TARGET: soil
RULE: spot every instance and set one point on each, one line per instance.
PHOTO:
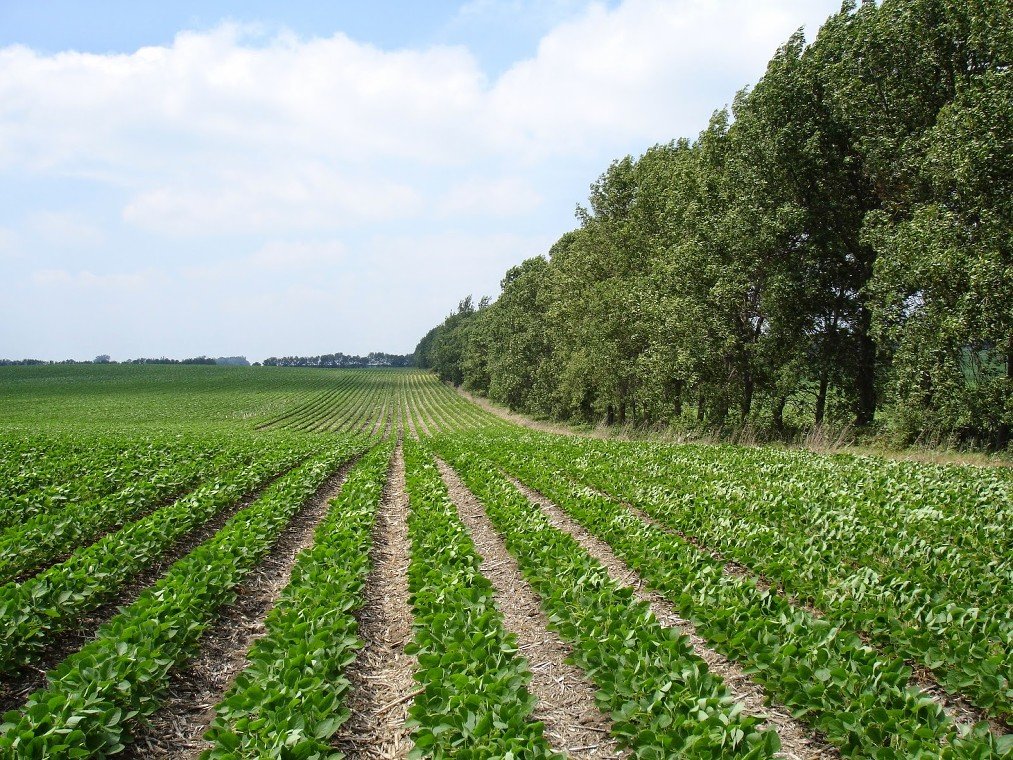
(566, 705)
(176, 729)
(381, 676)
(797, 739)
(16, 686)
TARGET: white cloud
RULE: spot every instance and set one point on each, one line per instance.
(86, 281)
(338, 196)
(221, 131)
(276, 258)
(271, 198)
(279, 254)
(645, 69)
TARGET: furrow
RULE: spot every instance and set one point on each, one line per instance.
(566, 703)
(797, 740)
(176, 729)
(381, 676)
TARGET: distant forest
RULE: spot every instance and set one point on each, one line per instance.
(837, 249)
(373, 359)
(239, 361)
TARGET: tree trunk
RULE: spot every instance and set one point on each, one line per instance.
(1002, 438)
(865, 379)
(610, 415)
(676, 396)
(782, 401)
(821, 397)
(747, 396)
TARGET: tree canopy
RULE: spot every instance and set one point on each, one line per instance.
(836, 248)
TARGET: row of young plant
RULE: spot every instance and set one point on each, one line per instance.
(32, 544)
(31, 460)
(290, 698)
(818, 552)
(32, 611)
(858, 697)
(663, 700)
(337, 387)
(331, 413)
(943, 520)
(96, 694)
(354, 403)
(473, 699)
(437, 407)
(88, 467)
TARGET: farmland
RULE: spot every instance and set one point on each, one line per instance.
(229, 562)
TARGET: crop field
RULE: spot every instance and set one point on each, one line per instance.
(230, 562)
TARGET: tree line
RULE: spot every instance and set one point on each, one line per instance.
(239, 361)
(837, 248)
(373, 359)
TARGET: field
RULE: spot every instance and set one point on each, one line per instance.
(228, 562)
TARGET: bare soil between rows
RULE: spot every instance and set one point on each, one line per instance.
(961, 711)
(797, 739)
(566, 704)
(382, 685)
(17, 686)
(176, 729)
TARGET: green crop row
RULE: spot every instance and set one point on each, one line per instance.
(663, 699)
(474, 701)
(26, 547)
(858, 697)
(80, 475)
(31, 461)
(47, 603)
(289, 700)
(906, 608)
(94, 694)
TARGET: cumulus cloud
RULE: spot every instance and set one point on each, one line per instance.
(506, 196)
(271, 198)
(224, 128)
(337, 195)
(85, 281)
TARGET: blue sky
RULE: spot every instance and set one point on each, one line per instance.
(263, 178)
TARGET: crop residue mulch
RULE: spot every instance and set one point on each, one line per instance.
(381, 676)
(566, 704)
(176, 729)
(16, 687)
(797, 739)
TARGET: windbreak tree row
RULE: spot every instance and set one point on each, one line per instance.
(836, 249)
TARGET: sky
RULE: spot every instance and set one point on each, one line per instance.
(267, 179)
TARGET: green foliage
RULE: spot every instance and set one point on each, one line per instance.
(924, 581)
(95, 694)
(841, 247)
(288, 702)
(32, 611)
(661, 696)
(474, 702)
(857, 696)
